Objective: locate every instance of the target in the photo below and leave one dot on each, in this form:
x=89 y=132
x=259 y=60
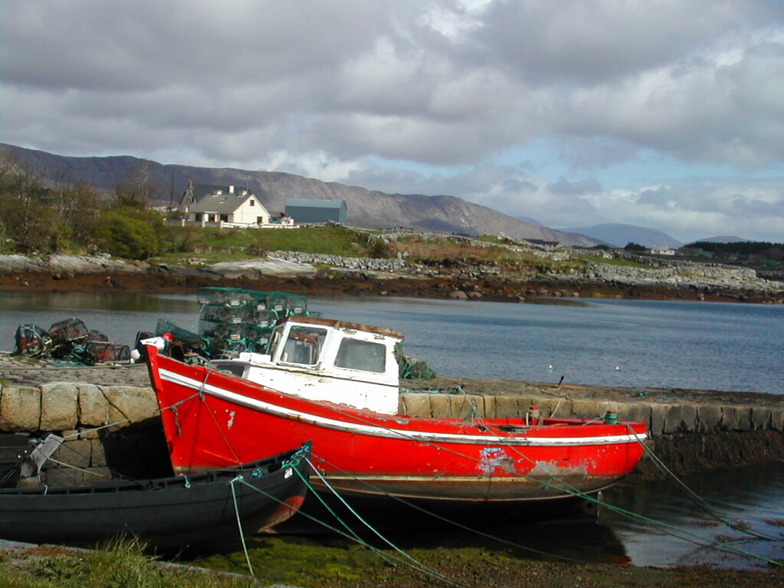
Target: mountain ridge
x=366 y=208
x=619 y=235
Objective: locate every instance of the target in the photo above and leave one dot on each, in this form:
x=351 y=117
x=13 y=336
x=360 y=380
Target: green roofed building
x=313 y=210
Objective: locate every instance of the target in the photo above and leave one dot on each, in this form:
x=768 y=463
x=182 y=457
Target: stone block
x=76 y=453
x=463 y=406
x=760 y=418
x=20 y=408
x=416 y=405
x=97 y=453
x=561 y=408
x=93 y=406
x=658 y=418
x=439 y=405
x=638 y=412
x=490 y=410
x=129 y=404
x=507 y=407
x=736 y=418
x=59 y=406
x=777 y=419
x=587 y=409
x=681 y=418
x=709 y=418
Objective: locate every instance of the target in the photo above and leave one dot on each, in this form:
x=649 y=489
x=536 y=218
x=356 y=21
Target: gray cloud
x=365 y=92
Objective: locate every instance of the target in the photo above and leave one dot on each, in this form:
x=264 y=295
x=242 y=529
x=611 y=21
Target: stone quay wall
x=117 y=428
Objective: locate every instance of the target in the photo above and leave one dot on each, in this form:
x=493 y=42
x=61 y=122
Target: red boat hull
x=212 y=419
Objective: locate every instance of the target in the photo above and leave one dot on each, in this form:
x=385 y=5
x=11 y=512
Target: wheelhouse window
x=303 y=345
x=361 y=355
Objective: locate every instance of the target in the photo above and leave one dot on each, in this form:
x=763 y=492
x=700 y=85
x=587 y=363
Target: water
x=615 y=343
x=730 y=347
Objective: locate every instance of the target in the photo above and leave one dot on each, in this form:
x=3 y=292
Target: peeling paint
x=552 y=468
x=494 y=458
x=232 y=414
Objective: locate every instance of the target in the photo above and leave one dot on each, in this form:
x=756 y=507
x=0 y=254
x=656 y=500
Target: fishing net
x=412 y=369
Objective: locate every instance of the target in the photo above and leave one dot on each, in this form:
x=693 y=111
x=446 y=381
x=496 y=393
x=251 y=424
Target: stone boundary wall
x=117 y=427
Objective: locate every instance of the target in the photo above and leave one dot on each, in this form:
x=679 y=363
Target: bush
x=129 y=233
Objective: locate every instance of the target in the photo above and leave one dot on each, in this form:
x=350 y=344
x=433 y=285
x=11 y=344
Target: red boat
x=336 y=383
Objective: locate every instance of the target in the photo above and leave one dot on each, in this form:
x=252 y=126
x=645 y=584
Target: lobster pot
x=105 y=352
x=297 y=305
x=225 y=296
x=220 y=330
x=261 y=317
x=69 y=331
x=283 y=304
x=187 y=339
x=94 y=335
x=257 y=338
x=220 y=349
x=220 y=313
x=31 y=341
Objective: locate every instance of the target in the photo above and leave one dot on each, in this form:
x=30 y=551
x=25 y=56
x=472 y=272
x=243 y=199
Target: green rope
x=697 y=500
x=350 y=535
x=417 y=565
x=239 y=523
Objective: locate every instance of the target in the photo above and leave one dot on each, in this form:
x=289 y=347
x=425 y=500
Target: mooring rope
x=698 y=500
x=240 y=478
x=351 y=535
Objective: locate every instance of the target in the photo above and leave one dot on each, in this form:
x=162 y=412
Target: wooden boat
x=337 y=383
x=166 y=513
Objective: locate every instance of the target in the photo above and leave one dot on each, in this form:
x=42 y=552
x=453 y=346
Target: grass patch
x=210 y=245
x=118 y=565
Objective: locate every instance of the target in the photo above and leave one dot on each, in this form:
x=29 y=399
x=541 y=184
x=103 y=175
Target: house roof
x=222 y=202
x=315 y=203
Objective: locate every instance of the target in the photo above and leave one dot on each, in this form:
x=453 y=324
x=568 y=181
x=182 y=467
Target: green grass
x=210 y=245
x=117 y=565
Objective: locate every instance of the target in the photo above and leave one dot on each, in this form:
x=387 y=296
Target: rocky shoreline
x=313 y=274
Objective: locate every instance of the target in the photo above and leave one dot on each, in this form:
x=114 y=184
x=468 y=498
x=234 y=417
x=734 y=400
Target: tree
x=636 y=247
x=80 y=212
x=29 y=219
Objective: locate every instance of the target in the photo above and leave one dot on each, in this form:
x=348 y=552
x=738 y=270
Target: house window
x=251 y=202
x=224 y=218
x=361 y=355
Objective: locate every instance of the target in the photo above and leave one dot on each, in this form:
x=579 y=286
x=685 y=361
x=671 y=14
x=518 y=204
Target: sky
x=667 y=114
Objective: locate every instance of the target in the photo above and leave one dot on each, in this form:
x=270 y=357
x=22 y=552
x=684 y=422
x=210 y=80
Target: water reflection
x=740 y=508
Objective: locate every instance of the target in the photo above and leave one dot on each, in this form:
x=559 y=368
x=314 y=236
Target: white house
x=217 y=206
x=662 y=250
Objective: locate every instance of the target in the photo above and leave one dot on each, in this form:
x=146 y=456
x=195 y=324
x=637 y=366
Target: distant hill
x=619 y=235
x=529 y=220
x=721 y=239
x=366 y=208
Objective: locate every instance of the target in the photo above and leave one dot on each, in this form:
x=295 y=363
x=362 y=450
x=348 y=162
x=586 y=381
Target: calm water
x=728 y=347
x=709 y=346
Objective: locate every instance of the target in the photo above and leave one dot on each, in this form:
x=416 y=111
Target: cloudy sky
x=663 y=113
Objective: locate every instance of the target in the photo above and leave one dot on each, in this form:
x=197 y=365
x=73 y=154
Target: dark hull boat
x=165 y=513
